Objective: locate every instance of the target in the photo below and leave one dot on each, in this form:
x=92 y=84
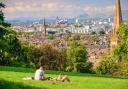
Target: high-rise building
x=57 y=20
x=117 y=23
x=77 y=20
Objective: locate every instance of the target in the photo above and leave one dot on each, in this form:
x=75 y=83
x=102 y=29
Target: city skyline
x=40 y=8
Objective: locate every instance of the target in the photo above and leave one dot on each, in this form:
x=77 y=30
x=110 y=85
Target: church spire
x=117 y=23
x=44 y=24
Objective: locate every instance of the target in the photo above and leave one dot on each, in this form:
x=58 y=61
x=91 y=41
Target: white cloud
x=92 y=10
x=43 y=9
x=33 y=7
x=19 y=9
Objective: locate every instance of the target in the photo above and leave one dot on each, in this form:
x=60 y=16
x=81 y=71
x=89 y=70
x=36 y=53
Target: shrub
x=102 y=33
x=93 y=33
x=117 y=62
x=69 y=69
x=77 y=56
x=50 y=57
x=83 y=67
x=107 y=66
x=51 y=37
x=123 y=69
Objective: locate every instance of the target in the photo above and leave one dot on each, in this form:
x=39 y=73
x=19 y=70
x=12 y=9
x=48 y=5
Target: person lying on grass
x=62 y=79
x=39 y=75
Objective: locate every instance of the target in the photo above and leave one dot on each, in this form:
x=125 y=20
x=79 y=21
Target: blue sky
x=69 y=8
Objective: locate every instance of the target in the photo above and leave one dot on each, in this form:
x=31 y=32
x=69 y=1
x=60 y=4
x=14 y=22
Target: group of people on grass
x=39 y=75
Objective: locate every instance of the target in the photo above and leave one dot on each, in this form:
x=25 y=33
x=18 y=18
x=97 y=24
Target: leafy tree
x=1 y=13
x=116 y=63
x=10 y=46
x=107 y=65
x=51 y=58
x=2 y=6
x=101 y=32
x=121 y=51
x=27 y=56
x=51 y=37
x=93 y=33
x=76 y=57
x=123 y=33
x=93 y=39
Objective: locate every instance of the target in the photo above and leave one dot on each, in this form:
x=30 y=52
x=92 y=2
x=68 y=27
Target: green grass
x=11 y=78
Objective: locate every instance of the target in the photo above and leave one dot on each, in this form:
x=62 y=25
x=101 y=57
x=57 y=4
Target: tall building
x=57 y=20
x=77 y=20
x=117 y=23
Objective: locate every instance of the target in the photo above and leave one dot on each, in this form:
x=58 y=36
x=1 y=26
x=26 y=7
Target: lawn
x=11 y=78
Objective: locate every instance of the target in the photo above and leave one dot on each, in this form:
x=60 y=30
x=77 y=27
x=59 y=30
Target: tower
x=77 y=21
x=57 y=20
x=117 y=23
x=44 y=25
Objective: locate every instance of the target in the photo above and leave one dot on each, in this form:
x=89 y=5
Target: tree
x=121 y=51
x=101 y=32
x=93 y=33
x=107 y=65
x=2 y=6
x=51 y=58
x=116 y=63
x=76 y=57
x=93 y=39
x=27 y=56
x=1 y=13
x=10 y=46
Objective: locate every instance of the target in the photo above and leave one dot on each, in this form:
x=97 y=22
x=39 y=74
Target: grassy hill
x=11 y=78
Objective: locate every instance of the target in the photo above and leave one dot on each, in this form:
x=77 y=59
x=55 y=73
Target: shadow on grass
x=12 y=85
x=30 y=70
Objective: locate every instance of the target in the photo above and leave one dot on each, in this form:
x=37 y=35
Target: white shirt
x=39 y=74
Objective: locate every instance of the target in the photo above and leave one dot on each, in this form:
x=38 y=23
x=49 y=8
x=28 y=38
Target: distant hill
x=52 y=19
x=23 y=20
x=84 y=16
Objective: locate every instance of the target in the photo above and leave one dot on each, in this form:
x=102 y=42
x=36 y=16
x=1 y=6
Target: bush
x=123 y=69
x=51 y=37
x=50 y=57
x=107 y=66
x=69 y=69
x=77 y=56
x=83 y=67
x=110 y=66
x=93 y=33
x=102 y=33
x=117 y=62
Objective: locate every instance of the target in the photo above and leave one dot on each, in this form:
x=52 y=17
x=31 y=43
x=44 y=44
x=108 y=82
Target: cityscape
x=61 y=28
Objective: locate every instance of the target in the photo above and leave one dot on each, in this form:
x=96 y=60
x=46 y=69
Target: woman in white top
x=39 y=74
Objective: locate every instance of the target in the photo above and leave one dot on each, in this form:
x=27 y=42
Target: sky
x=67 y=8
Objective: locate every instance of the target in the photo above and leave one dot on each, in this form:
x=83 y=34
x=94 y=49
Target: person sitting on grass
x=39 y=74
